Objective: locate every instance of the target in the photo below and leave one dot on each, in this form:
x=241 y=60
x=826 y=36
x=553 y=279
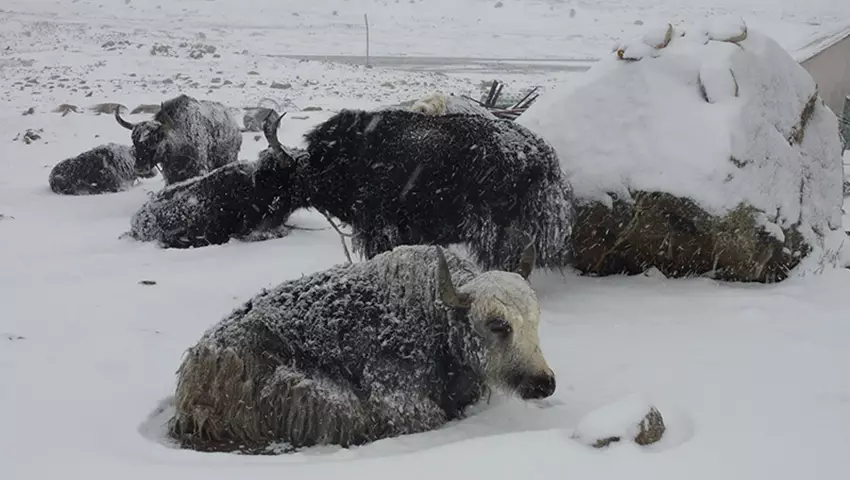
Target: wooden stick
x=341 y=236
x=366 y=18
x=519 y=103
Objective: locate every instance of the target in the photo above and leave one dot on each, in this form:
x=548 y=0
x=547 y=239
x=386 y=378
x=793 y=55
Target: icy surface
x=752 y=378
x=703 y=119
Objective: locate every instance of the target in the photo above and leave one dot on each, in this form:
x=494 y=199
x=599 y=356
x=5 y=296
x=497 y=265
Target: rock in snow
x=632 y=417
x=710 y=153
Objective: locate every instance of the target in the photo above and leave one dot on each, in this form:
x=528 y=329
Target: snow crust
x=702 y=118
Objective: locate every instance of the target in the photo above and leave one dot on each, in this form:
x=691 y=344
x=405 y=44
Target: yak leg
x=307 y=410
x=377 y=238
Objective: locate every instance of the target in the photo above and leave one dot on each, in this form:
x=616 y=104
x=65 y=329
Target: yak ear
x=527 y=261
x=445 y=288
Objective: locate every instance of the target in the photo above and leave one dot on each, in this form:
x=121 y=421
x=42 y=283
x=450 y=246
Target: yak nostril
x=539 y=387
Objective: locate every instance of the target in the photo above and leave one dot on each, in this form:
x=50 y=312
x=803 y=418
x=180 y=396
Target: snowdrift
x=706 y=152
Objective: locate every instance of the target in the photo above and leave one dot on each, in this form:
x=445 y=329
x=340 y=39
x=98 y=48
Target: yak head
x=147 y=138
x=282 y=158
x=503 y=311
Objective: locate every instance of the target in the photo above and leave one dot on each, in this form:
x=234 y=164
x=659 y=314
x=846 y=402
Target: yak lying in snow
x=399 y=177
x=106 y=168
x=240 y=200
x=398 y=344
x=187 y=138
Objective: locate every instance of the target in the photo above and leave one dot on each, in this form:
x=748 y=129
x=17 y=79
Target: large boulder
x=707 y=153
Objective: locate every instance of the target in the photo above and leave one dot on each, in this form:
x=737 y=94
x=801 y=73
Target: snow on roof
x=821 y=41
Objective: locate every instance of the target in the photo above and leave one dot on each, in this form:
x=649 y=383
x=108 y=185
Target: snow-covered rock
x=700 y=152
x=632 y=417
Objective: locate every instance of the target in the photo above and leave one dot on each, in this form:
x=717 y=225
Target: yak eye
x=499 y=326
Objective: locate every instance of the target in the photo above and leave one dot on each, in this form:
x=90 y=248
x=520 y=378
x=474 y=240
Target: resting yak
x=239 y=200
x=399 y=177
x=106 y=168
x=187 y=138
x=398 y=344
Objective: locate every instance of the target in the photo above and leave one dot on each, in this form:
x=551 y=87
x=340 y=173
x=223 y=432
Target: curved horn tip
x=121 y=121
x=446 y=289
x=527 y=260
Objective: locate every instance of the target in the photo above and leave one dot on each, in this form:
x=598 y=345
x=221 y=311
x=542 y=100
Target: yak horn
x=121 y=121
x=527 y=260
x=447 y=292
x=270 y=131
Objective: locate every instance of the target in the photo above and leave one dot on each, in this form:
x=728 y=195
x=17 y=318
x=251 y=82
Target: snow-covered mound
x=631 y=418
x=701 y=152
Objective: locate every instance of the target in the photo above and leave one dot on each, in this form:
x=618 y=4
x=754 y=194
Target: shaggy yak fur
x=239 y=200
x=398 y=344
x=103 y=169
x=399 y=177
x=187 y=138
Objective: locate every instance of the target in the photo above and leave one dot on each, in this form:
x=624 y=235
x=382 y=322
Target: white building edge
x=826 y=57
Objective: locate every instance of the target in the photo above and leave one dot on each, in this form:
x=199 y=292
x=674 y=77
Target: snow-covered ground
x=751 y=379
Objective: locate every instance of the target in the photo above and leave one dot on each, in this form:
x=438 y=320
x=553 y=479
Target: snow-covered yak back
x=398 y=344
x=187 y=138
x=105 y=168
x=245 y=200
x=437 y=103
x=400 y=177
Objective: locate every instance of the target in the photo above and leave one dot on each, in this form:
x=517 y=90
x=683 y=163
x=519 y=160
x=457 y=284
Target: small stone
x=147 y=282
x=651 y=428
x=282 y=86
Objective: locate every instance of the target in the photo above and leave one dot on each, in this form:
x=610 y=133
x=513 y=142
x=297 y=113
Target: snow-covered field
x=751 y=379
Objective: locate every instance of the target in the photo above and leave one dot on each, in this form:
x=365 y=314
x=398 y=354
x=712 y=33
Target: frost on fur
x=247 y=201
x=398 y=344
x=105 y=168
x=187 y=138
x=719 y=137
x=440 y=104
x=399 y=177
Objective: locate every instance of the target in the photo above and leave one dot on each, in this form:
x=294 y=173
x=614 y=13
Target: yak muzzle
x=536 y=387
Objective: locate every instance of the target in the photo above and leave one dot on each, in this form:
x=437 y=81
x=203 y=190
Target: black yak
x=106 y=168
x=398 y=344
x=399 y=177
x=239 y=200
x=187 y=138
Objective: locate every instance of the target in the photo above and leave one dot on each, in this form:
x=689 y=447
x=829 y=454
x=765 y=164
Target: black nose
x=540 y=386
